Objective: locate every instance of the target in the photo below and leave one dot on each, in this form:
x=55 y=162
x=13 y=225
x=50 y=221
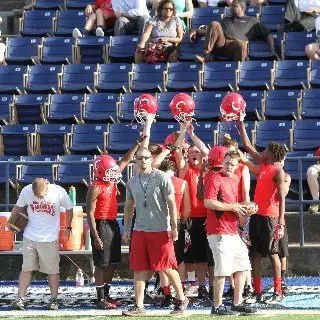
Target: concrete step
x=7 y=5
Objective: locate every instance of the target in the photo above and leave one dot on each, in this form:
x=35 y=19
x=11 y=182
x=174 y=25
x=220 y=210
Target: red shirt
x=105 y=6
x=107 y=204
x=198 y=209
x=266 y=193
x=222 y=188
x=177 y=185
x=238 y=173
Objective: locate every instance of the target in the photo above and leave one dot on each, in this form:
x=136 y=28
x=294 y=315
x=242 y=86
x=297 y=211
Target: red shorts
x=152 y=251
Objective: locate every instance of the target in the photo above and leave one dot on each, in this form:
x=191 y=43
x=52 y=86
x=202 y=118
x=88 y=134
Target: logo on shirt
x=44 y=206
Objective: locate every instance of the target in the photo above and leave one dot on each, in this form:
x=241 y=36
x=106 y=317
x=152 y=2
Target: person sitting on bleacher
x=219 y=3
x=313 y=182
x=132 y=16
x=229 y=37
x=2 y=49
x=100 y=14
x=162 y=33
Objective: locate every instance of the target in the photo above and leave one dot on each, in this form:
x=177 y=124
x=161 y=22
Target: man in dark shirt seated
x=229 y=37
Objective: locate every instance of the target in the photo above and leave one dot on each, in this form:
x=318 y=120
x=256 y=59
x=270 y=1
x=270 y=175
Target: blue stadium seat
x=12 y=169
x=52 y=138
x=203 y=16
x=113 y=77
x=75 y=157
x=22 y=50
x=219 y=75
x=255 y=75
x=88 y=139
x=314 y=77
x=92 y=49
x=77 y=4
x=100 y=107
x=161 y=130
x=6 y=100
x=281 y=104
x=231 y=129
x=188 y=50
x=291 y=74
x=164 y=112
x=147 y=77
x=64 y=108
x=272 y=17
x=122 y=48
x=40 y=157
x=28 y=172
x=250 y=12
x=208 y=105
x=77 y=78
x=49 y=5
x=278 y=38
x=272 y=130
x=11 y=79
x=253 y=99
x=310 y=104
x=28 y=109
x=73 y=173
x=17 y=139
x=67 y=20
x=205 y=131
x=306 y=134
x=42 y=79
x=294 y=44
x=57 y=51
x=37 y=23
x=259 y=50
x=183 y=76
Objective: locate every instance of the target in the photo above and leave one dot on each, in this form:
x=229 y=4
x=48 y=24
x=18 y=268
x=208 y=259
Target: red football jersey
x=105 y=6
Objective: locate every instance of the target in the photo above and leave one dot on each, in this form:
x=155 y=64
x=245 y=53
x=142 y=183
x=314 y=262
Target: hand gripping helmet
x=172 y=138
x=143 y=106
x=216 y=156
x=105 y=168
x=182 y=107
x=232 y=106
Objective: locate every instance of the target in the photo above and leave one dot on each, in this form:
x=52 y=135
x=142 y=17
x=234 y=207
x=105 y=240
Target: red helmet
x=143 y=106
x=232 y=106
x=105 y=168
x=216 y=155
x=182 y=107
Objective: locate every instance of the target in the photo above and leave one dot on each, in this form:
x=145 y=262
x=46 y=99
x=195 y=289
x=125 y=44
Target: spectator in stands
x=99 y=14
x=301 y=16
x=40 y=237
x=2 y=49
x=313 y=51
x=132 y=16
x=218 y=3
x=229 y=38
x=313 y=182
x=163 y=33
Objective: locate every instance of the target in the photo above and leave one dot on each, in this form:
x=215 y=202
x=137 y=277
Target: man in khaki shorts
x=40 y=238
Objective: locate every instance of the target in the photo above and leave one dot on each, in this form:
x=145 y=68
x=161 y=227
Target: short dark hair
x=277 y=151
x=233 y=154
x=161 y=5
x=167 y=165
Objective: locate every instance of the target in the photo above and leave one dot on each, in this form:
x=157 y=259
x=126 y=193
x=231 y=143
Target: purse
x=156 y=52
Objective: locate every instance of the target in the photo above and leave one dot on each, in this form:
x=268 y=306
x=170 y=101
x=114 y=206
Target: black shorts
x=261 y=230
x=179 y=245
x=283 y=245
x=109 y=233
x=198 y=251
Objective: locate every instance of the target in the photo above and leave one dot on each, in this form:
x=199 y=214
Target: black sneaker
x=229 y=294
x=53 y=304
x=135 y=311
x=284 y=289
x=276 y=298
x=18 y=304
x=255 y=298
x=166 y=301
x=242 y=308
x=203 y=292
x=247 y=292
x=180 y=306
x=148 y=298
x=223 y=311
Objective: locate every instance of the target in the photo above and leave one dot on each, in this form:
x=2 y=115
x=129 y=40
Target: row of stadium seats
x=299 y=135
x=180 y=76
x=60 y=4
x=71 y=108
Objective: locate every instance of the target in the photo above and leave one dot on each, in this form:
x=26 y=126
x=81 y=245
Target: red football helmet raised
x=144 y=105
x=216 y=156
x=105 y=168
x=182 y=107
x=232 y=106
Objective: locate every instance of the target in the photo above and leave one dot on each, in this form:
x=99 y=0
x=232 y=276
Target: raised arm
x=198 y=143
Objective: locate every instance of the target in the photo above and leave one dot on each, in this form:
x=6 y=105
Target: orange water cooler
x=6 y=236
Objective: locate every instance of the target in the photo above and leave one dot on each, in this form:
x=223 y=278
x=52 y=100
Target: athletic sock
x=257 y=284
x=100 y=292
x=166 y=290
x=277 y=285
x=192 y=277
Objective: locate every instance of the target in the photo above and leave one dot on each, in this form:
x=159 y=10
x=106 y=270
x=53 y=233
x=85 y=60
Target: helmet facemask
x=141 y=116
x=112 y=175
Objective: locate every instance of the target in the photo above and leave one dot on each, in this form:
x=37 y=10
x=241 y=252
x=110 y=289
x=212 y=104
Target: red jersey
x=222 y=188
x=177 y=185
x=105 y=6
x=266 y=193
x=107 y=204
x=198 y=209
x=238 y=173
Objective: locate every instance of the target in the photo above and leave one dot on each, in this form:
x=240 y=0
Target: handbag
x=156 y=52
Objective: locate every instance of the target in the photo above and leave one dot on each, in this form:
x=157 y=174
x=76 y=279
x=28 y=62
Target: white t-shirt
x=308 y=5
x=44 y=214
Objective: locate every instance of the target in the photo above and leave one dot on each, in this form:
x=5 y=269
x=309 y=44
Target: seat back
x=93 y=49
x=57 y=50
x=37 y=22
x=306 y=134
x=122 y=48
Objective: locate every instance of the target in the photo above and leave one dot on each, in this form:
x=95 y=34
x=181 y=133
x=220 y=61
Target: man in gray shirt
x=154 y=232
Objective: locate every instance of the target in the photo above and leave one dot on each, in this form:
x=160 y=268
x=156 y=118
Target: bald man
x=40 y=238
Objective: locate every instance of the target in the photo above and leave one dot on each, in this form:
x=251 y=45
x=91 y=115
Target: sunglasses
x=167 y=9
x=143 y=157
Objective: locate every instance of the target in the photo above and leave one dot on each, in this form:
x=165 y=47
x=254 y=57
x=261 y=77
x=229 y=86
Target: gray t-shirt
x=161 y=30
x=151 y=190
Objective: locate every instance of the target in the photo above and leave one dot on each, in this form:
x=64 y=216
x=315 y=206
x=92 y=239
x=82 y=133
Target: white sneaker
x=191 y=291
x=76 y=33
x=99 y=32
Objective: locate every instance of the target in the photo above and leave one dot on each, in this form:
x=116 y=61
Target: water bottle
x=72 y=195
x=79 y=278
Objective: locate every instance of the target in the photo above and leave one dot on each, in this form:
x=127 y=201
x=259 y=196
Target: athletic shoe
x=284 y=288
x=242 y=308
x=255 y=298
x=166 y=301
x=314 y=208
x=223 y=311
x=105 y=305
x=53 y=304
x=203 y=292
x=202 y=58
x=180 y=306
x=76 y=33
x=247 y=292
x=191 y=290
x=99 y=32
x=148 y=298
x=18 y=304
x=276 y=298
x=229 y=294
x=134 y=312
